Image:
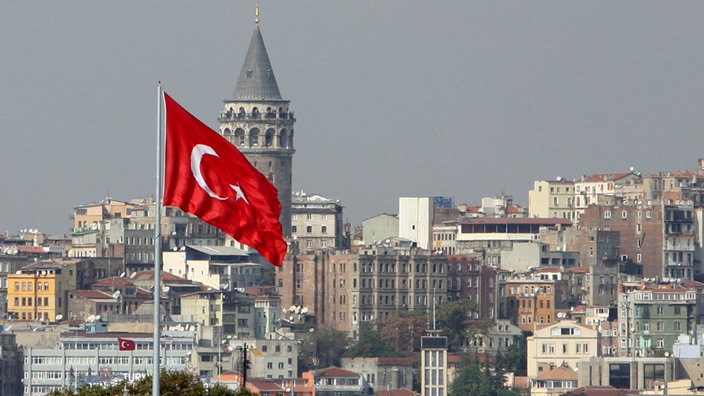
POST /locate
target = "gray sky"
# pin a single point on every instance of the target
(392, 98)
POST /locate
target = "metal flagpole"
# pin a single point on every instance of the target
(157, 249)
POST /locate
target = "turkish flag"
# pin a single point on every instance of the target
(125, 344)
(208, 176)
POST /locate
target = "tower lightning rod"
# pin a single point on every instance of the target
(256, 13)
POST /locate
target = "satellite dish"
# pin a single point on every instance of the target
(122, 275)
(292, 308)
(304, 310)
(91, 318)
(298, 310)
(132, 275)
(116, 294)
(165, 289)
(290, 318)
(59, 317)
(97, 318)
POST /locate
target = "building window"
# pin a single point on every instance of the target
(653, 373)
(294, 229)
(309, 229)
(324, 229)
(624, 214)
(620, 375)
(677, 326)
(607, 214)
(309, 216)
(660, 326)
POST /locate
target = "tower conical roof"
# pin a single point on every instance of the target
(257, 81)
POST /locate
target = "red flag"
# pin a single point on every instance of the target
(125, 344)
(208, 176)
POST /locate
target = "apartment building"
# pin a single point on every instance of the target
(591, 190)
(488, 237)
(654, 313)
(11, 365)
(552, 198)
(660, 237)
(219, 267)
(561, 344)
(39, 291)
(468, 278)
(536, 299)
(317, 222)
(343, 289)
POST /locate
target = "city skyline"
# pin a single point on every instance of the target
(466, 100)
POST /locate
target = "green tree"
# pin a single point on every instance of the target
(471, 380)
(369, 343)
(322, 347)
(402, 330)
(453, 319)
(514, 359)
(171, 383)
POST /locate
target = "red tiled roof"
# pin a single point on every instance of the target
(114, 281)
(521, 381)
(599, 177)
(265, 385)
(165, 276)
(335, 372)
(91, 294)
(603, 391)
(515, 209)
(580, 270)
(561, 373)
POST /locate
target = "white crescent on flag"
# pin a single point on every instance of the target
(199, 150)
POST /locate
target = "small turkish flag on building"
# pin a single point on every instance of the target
(125, 344)
(208, 176)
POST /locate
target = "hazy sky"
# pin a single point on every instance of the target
(392, 98)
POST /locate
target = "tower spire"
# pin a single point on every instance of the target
(256, 13)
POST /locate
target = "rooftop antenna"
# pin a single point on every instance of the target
(256, 13)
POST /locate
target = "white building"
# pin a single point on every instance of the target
(81, 357)
(415, 220)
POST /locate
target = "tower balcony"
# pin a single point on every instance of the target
(232, 116)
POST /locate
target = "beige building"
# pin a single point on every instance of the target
(378, 228)
(552, 198)
(219, 267)
(317, 222)
(563, 343)
(204, 307)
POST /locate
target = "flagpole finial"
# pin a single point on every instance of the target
(256, 13)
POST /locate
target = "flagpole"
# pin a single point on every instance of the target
(156, 346)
